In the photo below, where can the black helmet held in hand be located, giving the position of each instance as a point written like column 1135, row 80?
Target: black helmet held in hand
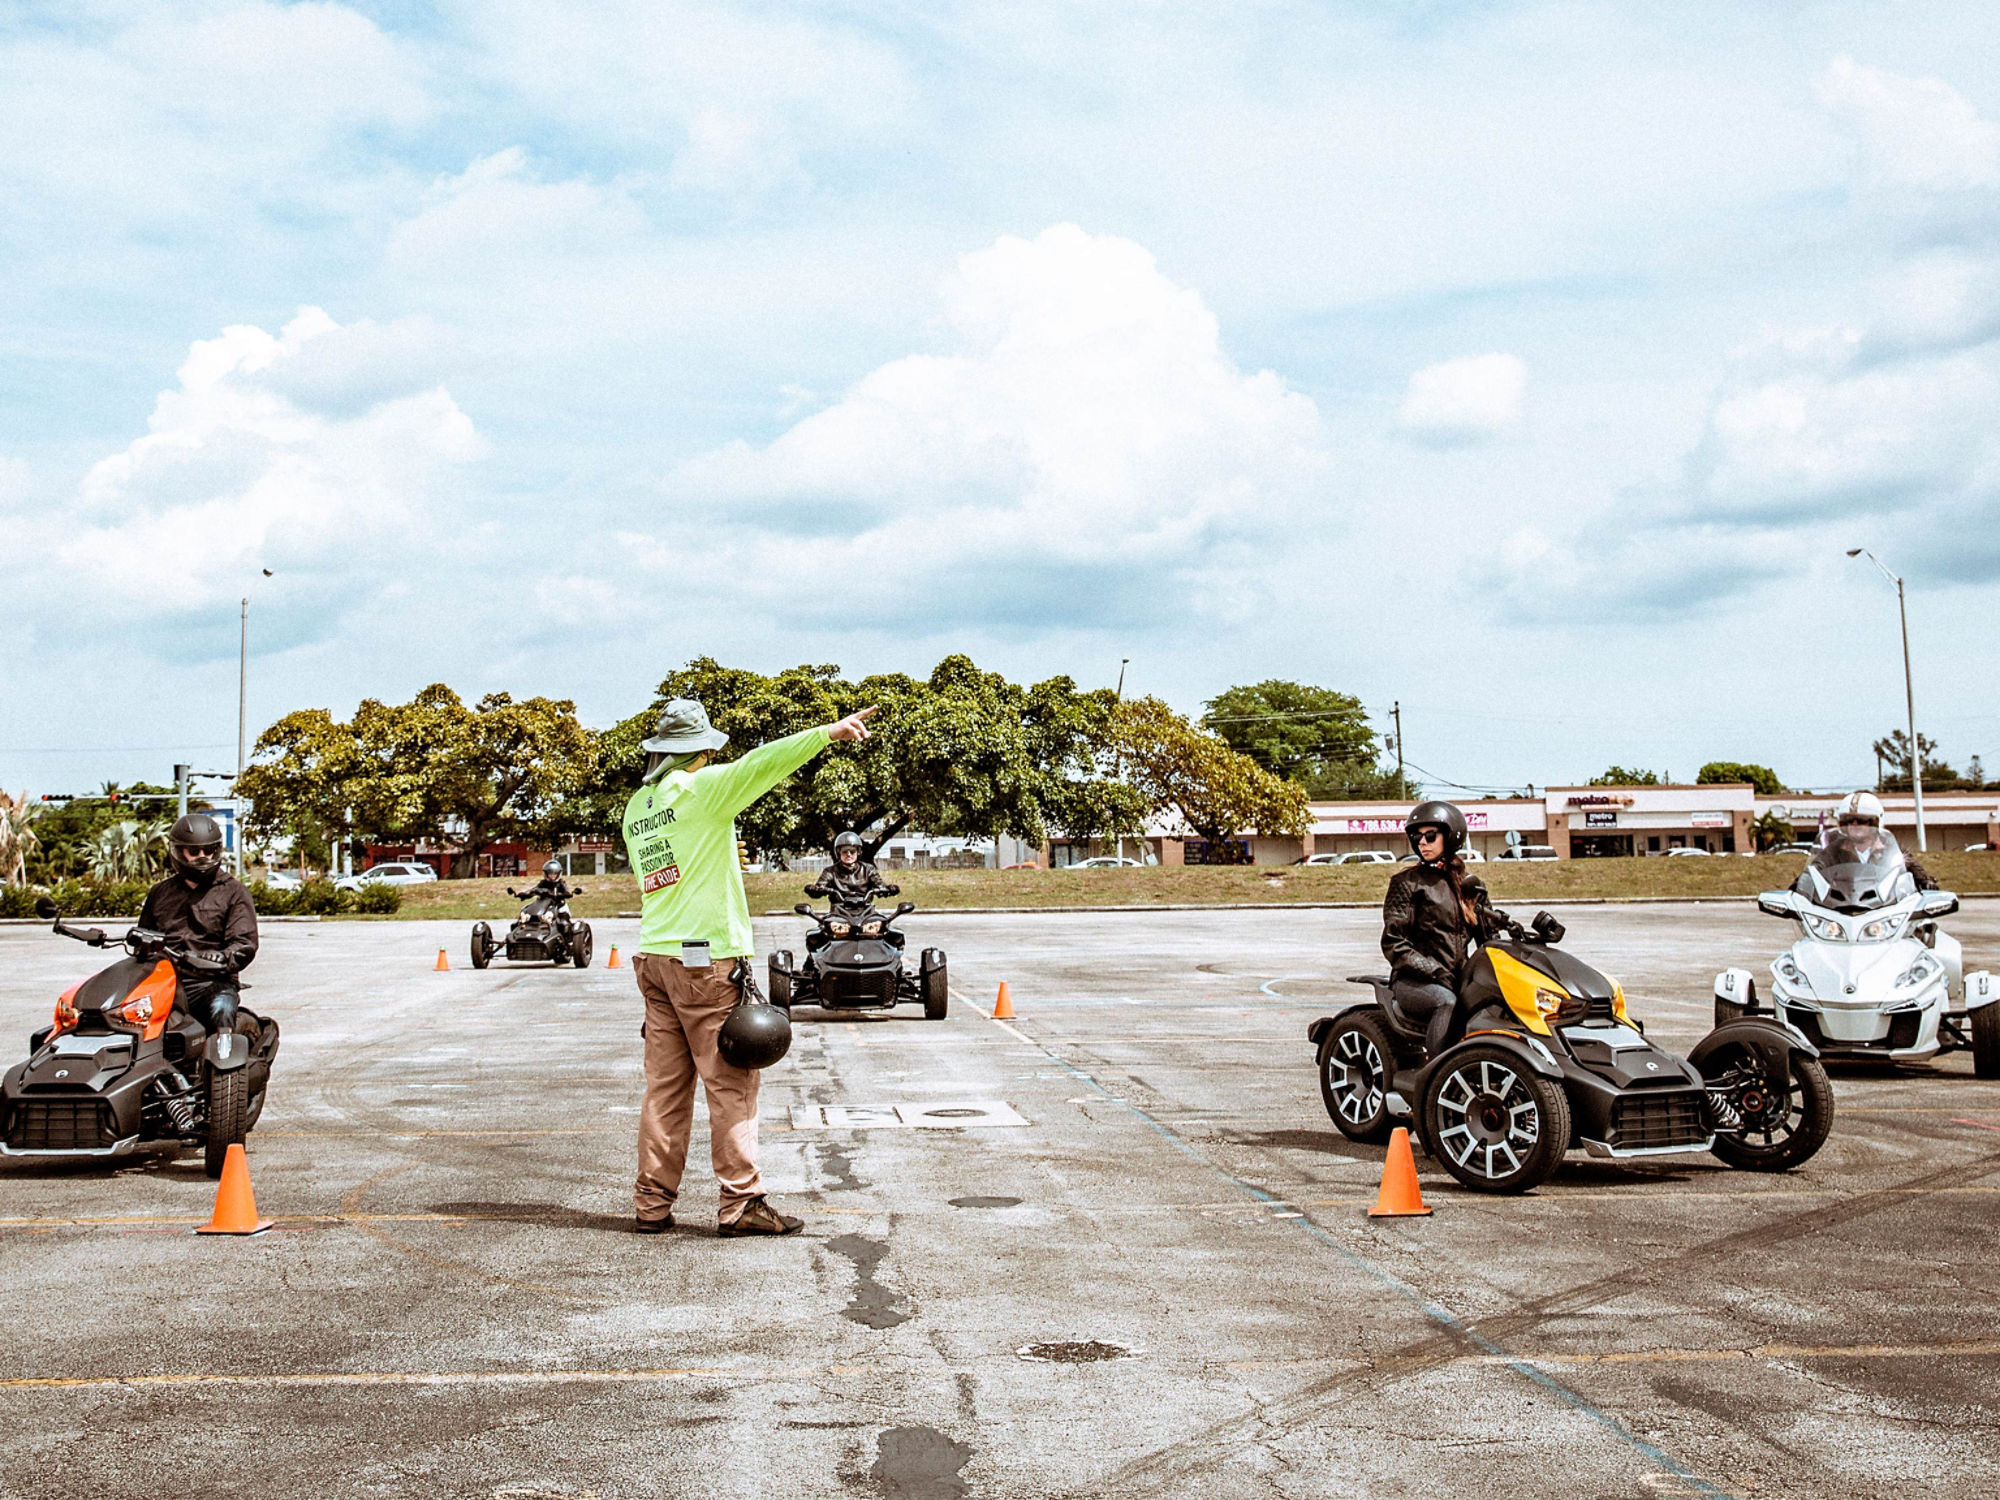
column 1439, row 815
column 194, row 847
column 754, row 1035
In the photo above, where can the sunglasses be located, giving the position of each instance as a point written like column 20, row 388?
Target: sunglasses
column 1430, row 836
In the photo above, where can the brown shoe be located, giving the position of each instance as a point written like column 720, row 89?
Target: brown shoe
column 758, row 1217
column 653, row 1226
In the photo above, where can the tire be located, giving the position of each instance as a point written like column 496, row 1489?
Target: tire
column 482, row 945
column 936, row 987
column 779, row 975
column 1770, row 1143
column 228, row 1110
column 1355, row 1064
column 1986, row 1041
column 1727, row 1011
column 1497, row 1125
column 582, row 945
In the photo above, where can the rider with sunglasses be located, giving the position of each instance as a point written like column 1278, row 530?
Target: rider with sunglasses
column 1433, row 918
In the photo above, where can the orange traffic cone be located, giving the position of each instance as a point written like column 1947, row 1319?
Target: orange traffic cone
column 1003, row 1008
column 615, row 962
column 1400, row 1196
column 235, row 1204
column 443, row 963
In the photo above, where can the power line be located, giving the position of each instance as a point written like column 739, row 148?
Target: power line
column 103, row 749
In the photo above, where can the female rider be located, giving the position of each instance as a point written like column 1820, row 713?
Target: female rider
column 1433, row 918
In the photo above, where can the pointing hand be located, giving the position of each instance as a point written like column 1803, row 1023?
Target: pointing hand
column 852, row 727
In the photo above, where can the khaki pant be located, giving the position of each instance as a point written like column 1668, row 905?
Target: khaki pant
column 685, row 1009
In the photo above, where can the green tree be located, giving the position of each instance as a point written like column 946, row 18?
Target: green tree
column 962, row 752
column 1292, row 729
column 433, row 768
column 1626, row 776
column 66, row 833
column 1893, row 751
column 1218, row 791
column 1725, row 772
column 1771, row 832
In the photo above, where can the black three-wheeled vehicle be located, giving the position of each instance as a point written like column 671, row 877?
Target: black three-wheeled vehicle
column 854, row 961
column 544, row 933
column 1541, row 1056
column 122, row 1065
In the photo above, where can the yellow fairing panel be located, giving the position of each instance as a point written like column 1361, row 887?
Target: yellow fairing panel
column 1518, row 984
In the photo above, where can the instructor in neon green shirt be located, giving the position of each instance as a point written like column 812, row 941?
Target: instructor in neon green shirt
column 694, row 942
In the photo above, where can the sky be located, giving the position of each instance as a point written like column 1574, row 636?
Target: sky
column 1532, row 366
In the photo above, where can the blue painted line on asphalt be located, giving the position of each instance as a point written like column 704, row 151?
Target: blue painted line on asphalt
column 1437, row 1314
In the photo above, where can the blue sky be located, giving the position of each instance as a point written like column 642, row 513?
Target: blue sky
column 1532, row 365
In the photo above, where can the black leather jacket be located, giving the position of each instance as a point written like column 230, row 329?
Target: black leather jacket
column 1424, row 932
column 216, row 919
column 848, row 887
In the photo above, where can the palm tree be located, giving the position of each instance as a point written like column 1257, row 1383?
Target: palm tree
column 17, row 838
column 128, row 850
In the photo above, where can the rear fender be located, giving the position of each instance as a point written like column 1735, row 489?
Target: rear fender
column 1533, row 1053
column 1316, row 1032
column 1775, row 1042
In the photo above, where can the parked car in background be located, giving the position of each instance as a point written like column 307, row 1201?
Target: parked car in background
column 1107, row 862
column 1470, row 856
column 1537, row 852
column 1687, row 853
column 1026, row 864
column 1356, row 857
column 282, row 880
column 393, row 873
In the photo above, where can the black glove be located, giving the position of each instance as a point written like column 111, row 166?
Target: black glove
column 890, row 890
column 208, row 960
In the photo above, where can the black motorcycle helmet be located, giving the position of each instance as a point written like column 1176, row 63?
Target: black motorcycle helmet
column 194, row 848
column 552, row 870
column 754, row 1035
column 848, row 840
column 1436, row 815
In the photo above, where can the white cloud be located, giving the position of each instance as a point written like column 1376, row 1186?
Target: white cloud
column 1085, row 431
column 1464, row 401
column 1911, row 132
column 239, row 468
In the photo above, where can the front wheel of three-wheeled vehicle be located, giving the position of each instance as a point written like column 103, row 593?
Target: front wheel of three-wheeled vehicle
column 1354, row 1063
column 1775, row 1127
column 228, row 1112
column 936, row 987
column 582, row 945
column 779, row 977
column 1986, row 1042
column 1492, row 1121
column 482, row 945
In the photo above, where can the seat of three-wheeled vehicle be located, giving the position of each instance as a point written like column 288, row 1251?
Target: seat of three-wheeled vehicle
column 1384, row 986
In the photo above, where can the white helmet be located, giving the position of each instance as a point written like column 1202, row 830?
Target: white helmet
column 1864, row 807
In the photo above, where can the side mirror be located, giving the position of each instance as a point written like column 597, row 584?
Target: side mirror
column 905, row 907
column 1778, row 904
column 1937, row 904
column 47, row 910
column 803, row 910
column 579, row 890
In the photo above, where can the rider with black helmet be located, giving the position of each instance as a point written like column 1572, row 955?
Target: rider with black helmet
column 553, row 889
column 1433, row 918
column 850, row 881
column 205, row 907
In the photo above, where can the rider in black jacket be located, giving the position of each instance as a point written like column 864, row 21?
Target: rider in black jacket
column 205, row 907
column 1433, row 917
column 850, row 881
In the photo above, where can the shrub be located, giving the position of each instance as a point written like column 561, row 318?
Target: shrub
column 378, row 899
column 78, row 898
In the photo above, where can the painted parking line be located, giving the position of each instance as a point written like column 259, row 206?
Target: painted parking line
column 325, row 1378
column 1959, row 1349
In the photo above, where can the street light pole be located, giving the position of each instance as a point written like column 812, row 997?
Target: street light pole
column 242, row 714
column 1118, row 756
column 1909, row 694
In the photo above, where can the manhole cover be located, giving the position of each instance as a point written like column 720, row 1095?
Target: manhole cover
column 985, row 1202
column 1089, row 1352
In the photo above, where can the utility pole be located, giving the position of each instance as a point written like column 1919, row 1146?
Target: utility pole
column 242, row 716
column 1396, row 713
column 1909, row 694
column 1118, row 755
column 181, row 787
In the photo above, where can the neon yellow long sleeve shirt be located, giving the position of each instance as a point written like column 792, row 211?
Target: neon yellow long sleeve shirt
column 680, row 835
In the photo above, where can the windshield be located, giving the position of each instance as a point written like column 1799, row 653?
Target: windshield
column 1856, row 868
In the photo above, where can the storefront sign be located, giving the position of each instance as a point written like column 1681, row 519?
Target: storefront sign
column 1600, row 819
column 1710, row 820
column 595, row 843
column 1600, row 799
column 1395, row 825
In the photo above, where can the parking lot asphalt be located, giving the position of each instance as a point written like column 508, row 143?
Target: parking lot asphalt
column 452, row 1302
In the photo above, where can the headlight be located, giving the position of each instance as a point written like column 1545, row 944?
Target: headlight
column 65, row 1012
column 1826, row 929
column 1558, row 1007
column 1918, row 972
column 871, row 929
column 1882, row 929
column 138, row 1010
column 840, row 929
